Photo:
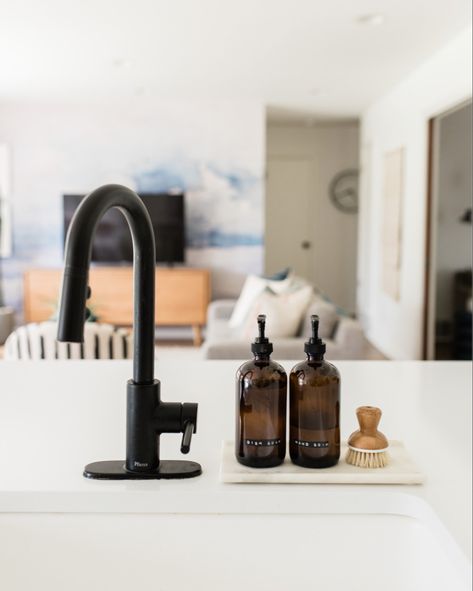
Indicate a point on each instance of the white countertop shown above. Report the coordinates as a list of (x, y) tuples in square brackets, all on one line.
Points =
[(55, 417)]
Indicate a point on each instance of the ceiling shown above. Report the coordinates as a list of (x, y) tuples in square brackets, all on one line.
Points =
[(299, 57)]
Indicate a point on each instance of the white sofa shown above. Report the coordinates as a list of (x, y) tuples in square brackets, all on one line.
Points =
[(343, 335)]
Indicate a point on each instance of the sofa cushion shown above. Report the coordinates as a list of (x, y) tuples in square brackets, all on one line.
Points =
[(328, 318), (283, 311), (219, 330), (253, 287)]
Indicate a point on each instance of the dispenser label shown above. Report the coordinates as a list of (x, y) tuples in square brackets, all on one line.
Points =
[(316, 444), (262, 442)]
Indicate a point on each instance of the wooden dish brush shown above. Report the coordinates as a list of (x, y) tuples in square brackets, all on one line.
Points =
[(367, 447)]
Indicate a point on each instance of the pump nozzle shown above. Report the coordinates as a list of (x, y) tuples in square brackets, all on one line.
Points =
[(315, 346), (314, 320), (261, 326), (261, 344)]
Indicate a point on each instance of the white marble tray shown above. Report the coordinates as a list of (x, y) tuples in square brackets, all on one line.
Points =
[(400, 470)]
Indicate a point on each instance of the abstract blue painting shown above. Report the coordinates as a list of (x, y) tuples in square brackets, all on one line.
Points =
[(214, 153)]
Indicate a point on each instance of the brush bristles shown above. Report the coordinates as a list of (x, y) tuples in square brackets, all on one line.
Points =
[(367, 459)]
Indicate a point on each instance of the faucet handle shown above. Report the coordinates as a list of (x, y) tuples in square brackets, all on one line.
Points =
[(189, 425), (186, 438)]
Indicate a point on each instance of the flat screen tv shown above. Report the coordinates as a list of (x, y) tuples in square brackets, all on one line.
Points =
[(112, 241)]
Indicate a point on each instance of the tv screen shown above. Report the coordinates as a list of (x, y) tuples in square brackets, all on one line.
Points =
[(112, 241)]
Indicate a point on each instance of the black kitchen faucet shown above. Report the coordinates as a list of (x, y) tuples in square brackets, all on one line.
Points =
[(147, 416)]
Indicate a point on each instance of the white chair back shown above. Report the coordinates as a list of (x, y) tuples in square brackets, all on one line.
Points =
[(38, 341)]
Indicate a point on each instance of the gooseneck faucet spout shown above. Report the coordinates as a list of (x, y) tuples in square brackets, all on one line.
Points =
[(147, 416), (75, 290)]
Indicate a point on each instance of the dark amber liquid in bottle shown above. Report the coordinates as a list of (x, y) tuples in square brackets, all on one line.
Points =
[(314, 432), (261, 406)]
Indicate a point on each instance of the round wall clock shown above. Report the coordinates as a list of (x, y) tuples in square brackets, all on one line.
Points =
[(343, 191)]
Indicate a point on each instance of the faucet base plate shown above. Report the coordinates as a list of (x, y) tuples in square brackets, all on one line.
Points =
[(167, 470)]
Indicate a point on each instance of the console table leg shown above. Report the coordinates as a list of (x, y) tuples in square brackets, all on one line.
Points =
[(197, 329)]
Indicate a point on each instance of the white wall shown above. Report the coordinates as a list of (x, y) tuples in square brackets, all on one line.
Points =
[(214, 150), (453, 243), (400, 119), (329, 148)]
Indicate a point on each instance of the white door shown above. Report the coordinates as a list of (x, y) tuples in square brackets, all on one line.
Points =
[(288, 216)]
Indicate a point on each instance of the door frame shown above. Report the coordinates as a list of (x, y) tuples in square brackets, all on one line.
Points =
[(432, 198)]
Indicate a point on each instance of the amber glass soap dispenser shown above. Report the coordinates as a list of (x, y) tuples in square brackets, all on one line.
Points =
[(314, 416), (261, 406)]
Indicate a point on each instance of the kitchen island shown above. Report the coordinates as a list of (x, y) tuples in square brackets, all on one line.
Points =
[(55, 417)]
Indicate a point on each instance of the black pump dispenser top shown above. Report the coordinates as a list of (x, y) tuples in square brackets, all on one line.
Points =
[(261, 345), (315, 345)]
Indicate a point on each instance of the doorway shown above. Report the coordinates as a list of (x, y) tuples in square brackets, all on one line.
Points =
[(311, 220), (448, 306)]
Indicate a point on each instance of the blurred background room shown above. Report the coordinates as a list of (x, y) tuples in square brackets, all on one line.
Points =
[(296, 158)]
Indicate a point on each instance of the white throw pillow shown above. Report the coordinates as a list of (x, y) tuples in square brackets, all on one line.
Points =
[(283, 313), (253, 287)]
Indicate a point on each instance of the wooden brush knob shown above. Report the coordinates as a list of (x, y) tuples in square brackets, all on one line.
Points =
[(367, 436), (368, 419)]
